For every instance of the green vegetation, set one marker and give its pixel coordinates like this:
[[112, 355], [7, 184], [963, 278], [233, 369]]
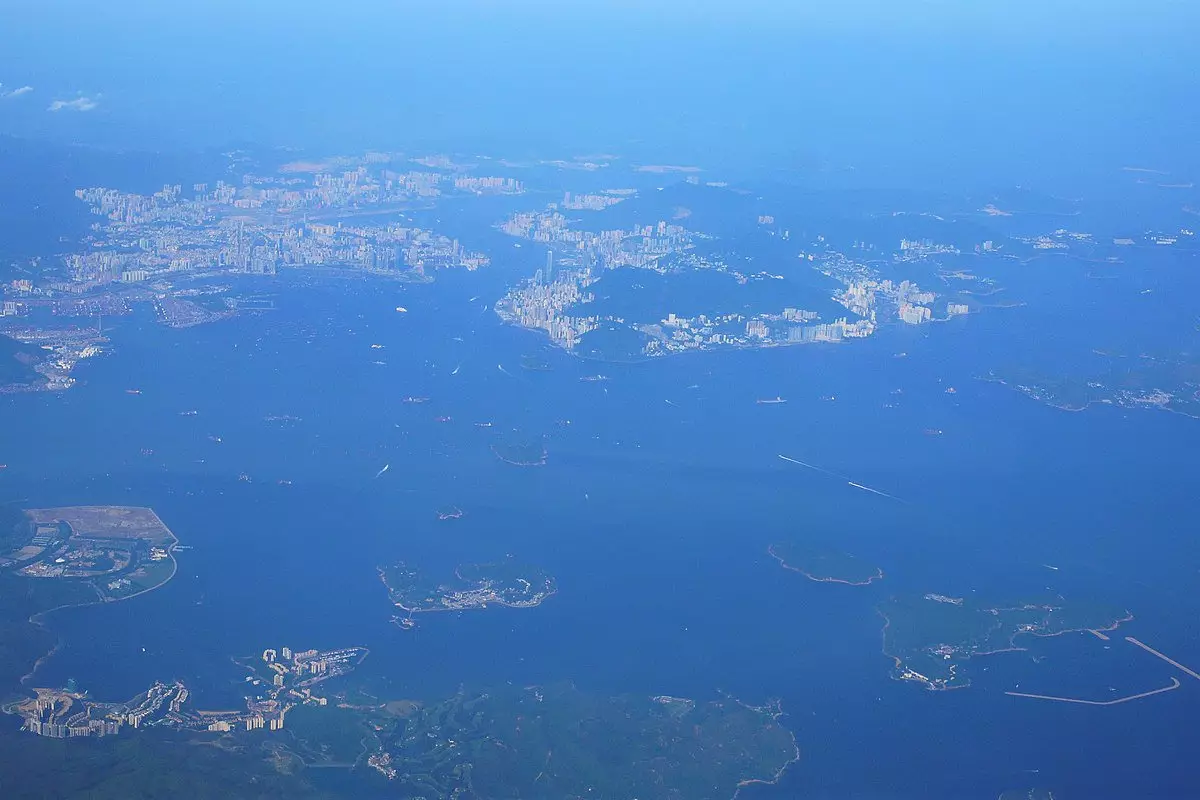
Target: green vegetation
[[535, 363], [506, 582], [146, 765], [824, 565], [15, 530], [151, 575], [326, 734], [22, 642], [17, 361], [931, 637], [556, 742], [511, 580], [410, 588], [613, 343]]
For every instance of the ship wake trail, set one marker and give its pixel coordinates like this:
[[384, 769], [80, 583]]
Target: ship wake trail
[[386, 467], [506, 372], [839, 476], [876, 491], [813, 467]]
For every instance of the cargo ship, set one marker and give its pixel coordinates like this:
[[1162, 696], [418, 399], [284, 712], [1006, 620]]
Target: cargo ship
[[771, 401]]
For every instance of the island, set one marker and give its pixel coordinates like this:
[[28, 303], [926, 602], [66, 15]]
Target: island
[[930, 637], [503, 583], [450, 512], [655, 288], [824, 566], [535, 363], [556, 741], [521, 452]]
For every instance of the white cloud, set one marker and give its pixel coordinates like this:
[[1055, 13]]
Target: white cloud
[[20, 90], [80, 103]]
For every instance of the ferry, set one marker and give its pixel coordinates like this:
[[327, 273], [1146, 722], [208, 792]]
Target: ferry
[[933, 431], [951, 390], [376, 347], [133, 391], [401, 310], [771, 401]]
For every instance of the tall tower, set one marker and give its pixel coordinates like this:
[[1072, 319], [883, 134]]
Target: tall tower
[[549, 266]]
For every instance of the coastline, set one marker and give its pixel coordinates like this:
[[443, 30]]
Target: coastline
[[498, 601], [38, 618], [539, 463], [775, 712], [934, 685], [878, 576]]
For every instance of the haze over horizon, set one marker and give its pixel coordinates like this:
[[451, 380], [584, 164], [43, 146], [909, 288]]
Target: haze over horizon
[[942, 92], [543, 399]]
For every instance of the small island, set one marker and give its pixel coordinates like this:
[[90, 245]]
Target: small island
[[503, 583], [553, 742], [535, 363], [521, 453], [825, 566], [929, 638], [450, 512]]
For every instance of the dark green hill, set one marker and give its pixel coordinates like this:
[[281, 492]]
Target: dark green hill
[[17, 361]]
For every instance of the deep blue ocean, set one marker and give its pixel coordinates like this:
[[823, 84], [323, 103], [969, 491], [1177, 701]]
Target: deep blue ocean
[[655, 518], [663, 487]]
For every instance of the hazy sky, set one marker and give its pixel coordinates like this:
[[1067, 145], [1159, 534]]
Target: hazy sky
[[860, 81]]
